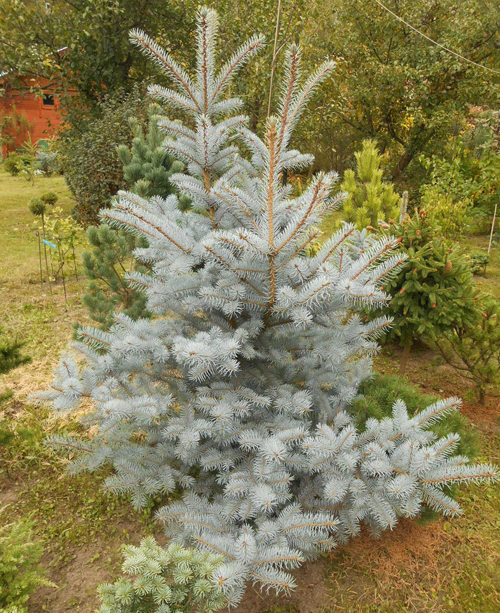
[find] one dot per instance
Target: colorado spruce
(238, 390)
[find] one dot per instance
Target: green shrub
(89, 159)
(49, 198)
(479, 262)
(173, 579)
(14, 163)
(37, 207)
(62, 230)
(451, 216)
(20, 572)
(10, 355)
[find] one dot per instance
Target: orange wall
(43, 119)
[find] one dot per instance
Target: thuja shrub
(238, 389)
(161, 580)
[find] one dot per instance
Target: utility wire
(435, 42)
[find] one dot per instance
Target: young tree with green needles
(369, 200)
(238, 389)
(473, 349)
(147, 166)
(433, 291)
(20, 569)
(106, 266)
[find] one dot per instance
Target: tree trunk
(404, 357)
(403, 162)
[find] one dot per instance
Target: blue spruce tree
(239, 388)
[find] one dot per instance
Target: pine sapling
(474, 349)
(369, 200)
(106, 266)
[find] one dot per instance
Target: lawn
(440, 566)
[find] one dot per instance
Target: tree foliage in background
(390, 85)
(368, 200)
(239, 389)
(467, 172)
(394, 86)
(434, 291)
(98, 61)
(473, 349)
(164, 580)
(452, 217)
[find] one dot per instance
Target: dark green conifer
(105, 267)
(10, 354)
(147, 166)
(434, 291)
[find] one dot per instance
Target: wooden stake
(40, 258)
(45, 252)
(404, 207)
(493, 227)
(405, 356)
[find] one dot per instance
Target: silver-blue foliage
(239, 389)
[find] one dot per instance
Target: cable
(435, 42)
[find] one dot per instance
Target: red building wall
(42, 116)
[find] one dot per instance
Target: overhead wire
(464, 59)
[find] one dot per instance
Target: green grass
(489, 282)
(30, 312)
(19, 244)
